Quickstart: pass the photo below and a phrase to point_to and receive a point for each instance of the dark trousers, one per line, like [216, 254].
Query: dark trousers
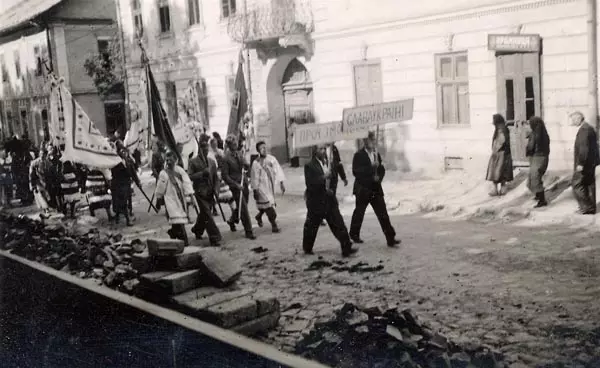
[205, 220]
[108, 212]
[177, 231]
[329, 211]
[584, 190]
[363, 199]
[271, 215]
[246, 222]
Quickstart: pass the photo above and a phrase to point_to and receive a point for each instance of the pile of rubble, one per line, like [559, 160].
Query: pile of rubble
[86, 254]
[193, 280]
[368, 337]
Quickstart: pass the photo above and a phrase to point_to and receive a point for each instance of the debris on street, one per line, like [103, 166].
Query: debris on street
[368, 337]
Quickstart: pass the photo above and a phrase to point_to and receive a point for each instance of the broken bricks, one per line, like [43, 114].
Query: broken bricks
[392, 337]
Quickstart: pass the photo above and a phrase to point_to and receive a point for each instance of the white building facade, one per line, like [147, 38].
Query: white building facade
[461, 61]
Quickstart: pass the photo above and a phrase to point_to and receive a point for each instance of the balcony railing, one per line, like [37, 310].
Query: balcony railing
[271, 21]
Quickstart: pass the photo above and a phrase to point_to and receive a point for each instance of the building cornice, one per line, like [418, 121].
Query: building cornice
[440, 18]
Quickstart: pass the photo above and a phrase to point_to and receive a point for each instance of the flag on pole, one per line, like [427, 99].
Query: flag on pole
[239, 102]
[137, 133]
[84, 143]
[161, 126]
[56, 124]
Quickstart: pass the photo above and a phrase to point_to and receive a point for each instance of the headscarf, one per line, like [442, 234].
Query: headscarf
[539, 136]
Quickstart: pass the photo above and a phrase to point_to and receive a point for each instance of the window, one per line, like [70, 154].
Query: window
[228, 7]
[171, 99]
[203, 100]
[231, 92]
[165, 16]
[136, 10]
[104, 51]
[4, 69]
[452, 86]
[9, 122]
[45, 124]
[38, 61]
[194, 12]
[17, 59]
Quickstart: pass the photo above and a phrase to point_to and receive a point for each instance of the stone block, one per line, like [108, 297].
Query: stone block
[260, 324]
[206, 298]
[165, 247]
[143, 262]
[180, 282]
[233, 312]
[190, 259]
[266, 304]
[221, 268]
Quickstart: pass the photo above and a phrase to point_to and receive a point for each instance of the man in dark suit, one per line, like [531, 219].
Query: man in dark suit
[368, 173]
[203, 173]
[337, 169]
[321, 203]
[233, 165]
[586, 158]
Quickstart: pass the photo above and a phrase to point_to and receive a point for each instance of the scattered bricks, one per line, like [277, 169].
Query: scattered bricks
[439, 342]
[138, 246]
[110, 279]
[460, 360]
[394, 332]
[233, 312]
[143, 262]
[130, 285]
[179, 282]
[296, 326]
[165, 247]
[123, 249]
[442, 361]
[108, 265]
[260, 324]
[219, 267]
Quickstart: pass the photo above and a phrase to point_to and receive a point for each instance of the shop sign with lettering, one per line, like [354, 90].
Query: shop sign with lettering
[514, 43]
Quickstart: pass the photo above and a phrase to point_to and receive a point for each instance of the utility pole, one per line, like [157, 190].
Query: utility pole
[124, 66]
[592, 63]
[248, 66]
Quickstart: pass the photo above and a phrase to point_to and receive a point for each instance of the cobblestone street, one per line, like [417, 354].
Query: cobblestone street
[529, 292]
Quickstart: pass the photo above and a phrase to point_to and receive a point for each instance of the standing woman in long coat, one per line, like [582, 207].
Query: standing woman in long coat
[538, 151]
[500, 169]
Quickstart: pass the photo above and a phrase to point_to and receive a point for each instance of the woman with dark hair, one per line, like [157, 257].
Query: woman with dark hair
[500, 169]
[538, 151]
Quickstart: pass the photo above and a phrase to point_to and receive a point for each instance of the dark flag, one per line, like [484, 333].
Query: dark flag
[239, 102]
[162, 129]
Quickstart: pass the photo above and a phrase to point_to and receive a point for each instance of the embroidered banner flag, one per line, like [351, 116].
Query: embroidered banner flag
[138, 131]
[56, 123]
[84, 143]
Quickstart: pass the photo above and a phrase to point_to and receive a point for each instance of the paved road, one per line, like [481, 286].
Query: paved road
[530, 292]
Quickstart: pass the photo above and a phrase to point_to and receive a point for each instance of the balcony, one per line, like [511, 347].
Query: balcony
[287, 22]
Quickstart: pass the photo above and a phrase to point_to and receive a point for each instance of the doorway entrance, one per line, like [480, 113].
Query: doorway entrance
[519, 97]
[298, 102]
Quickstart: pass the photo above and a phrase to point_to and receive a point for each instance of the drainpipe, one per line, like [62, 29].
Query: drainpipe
[249, 67]
[592, 32]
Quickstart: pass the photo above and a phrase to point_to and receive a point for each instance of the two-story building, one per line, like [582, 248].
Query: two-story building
[39, 36]
[461, 61]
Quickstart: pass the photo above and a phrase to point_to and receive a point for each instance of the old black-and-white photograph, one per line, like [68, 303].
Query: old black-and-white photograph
[299, 183]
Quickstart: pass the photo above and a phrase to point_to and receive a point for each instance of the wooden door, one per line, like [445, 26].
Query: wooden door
[298, 111]
[518, 98]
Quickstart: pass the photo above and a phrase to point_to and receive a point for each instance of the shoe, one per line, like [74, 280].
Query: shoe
[215, 244]
[393, 242]
[259, 220]
[129, 223]
[170, 233]
[349, 251]
[323, 223]
[308, 252]
[541, 204]
[231, 226]
[357, 239]
[250, 236]
[275, 229]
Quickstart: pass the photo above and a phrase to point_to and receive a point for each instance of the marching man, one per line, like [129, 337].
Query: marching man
[264, 175]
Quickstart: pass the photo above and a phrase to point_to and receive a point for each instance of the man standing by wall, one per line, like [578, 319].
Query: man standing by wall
[368, 173]
[232, 172]
[203, 173]
[265, 174]
[586, 158]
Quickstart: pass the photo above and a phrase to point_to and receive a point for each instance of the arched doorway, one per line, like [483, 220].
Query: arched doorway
[290, 101]
[298, 101]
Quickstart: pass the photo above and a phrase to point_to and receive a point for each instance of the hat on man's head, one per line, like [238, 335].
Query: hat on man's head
[371, 135]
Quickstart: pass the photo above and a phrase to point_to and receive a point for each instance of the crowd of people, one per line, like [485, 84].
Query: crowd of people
[586, 157]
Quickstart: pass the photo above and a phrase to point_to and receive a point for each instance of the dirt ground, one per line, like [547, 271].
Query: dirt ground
[529, 292]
